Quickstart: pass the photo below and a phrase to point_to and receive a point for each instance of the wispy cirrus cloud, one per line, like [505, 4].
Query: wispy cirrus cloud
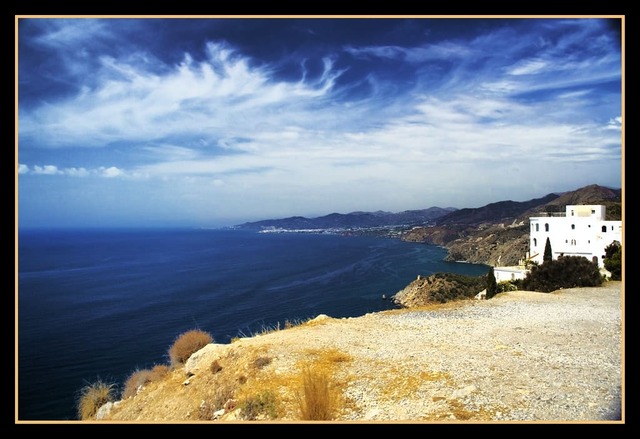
[449, 51]
[221, 97]
[500, 107]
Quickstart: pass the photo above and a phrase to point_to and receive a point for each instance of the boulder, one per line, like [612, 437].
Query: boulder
[202, 359]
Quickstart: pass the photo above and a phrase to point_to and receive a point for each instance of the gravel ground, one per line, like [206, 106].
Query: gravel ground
[521, 356]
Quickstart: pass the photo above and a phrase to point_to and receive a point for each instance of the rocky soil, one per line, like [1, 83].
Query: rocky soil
[521, 356]
[491, 244]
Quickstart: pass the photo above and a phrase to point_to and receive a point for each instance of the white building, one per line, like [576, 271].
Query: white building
[581, 231]
[504, 274]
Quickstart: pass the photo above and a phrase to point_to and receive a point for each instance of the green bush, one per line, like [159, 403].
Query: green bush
[264, 404]
[613, 260]
[186, 344]
[564, 272]
[507, 285]
[455, 286]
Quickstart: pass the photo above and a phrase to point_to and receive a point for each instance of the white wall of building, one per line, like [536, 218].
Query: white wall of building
[509, 273]
[583, 231]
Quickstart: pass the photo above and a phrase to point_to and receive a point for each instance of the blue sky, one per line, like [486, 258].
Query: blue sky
[213, 122]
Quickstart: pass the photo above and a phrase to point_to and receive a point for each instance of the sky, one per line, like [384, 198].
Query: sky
[211, 122]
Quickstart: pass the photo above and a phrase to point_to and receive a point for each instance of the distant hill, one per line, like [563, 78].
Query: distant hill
[495, 212]
[351, 220]
[498, 233]
[495, 234]
[592, 194]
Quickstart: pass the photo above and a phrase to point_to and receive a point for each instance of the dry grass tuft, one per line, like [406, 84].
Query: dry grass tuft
[459, 411]
[158, 372]
[135, 382]
[141, 377]
[186, 344]
[320, 394]
[92, 397]
[317, 399]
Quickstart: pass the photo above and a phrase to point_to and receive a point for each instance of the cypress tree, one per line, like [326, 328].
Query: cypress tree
[492, 285]
[548, 256]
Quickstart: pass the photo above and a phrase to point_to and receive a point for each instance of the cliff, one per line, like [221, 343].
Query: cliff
[498, 360]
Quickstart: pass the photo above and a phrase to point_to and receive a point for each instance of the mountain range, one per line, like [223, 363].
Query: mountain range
[351, 220]
[494, 234]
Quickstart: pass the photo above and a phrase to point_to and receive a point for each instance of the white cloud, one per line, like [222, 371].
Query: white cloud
[111, 172]
[222, 96]
[528, 67]
[615, 123]
[446, 50]
[223, 131]
[65, 32]
[46, 170]
[73, 171]
[76, 172]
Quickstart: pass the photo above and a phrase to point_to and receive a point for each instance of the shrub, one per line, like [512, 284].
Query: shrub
[613, 260]
[507, 285]
[92, 397]
[317, 401]
[564, 272]
[186, 344]
[158, 372]
[262, 404]
[136, 380]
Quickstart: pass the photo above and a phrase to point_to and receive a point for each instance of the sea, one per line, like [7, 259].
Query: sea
[96, 305]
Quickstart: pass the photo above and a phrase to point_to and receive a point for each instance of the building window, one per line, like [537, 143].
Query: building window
[573, 226]
[535, 242]
[566, 241]
[604, 229]
[593, 211]
[573, 242]
[589, 226]
[537, 227]
[546, 227]
[513, 276]
[589, 241]
[572, 213]
[594, 259]
[611, 227]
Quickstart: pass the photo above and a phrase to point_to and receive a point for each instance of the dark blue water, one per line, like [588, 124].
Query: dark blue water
[100, 304]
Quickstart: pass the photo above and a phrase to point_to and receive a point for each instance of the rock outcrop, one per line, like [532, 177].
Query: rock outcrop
[439, 288]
